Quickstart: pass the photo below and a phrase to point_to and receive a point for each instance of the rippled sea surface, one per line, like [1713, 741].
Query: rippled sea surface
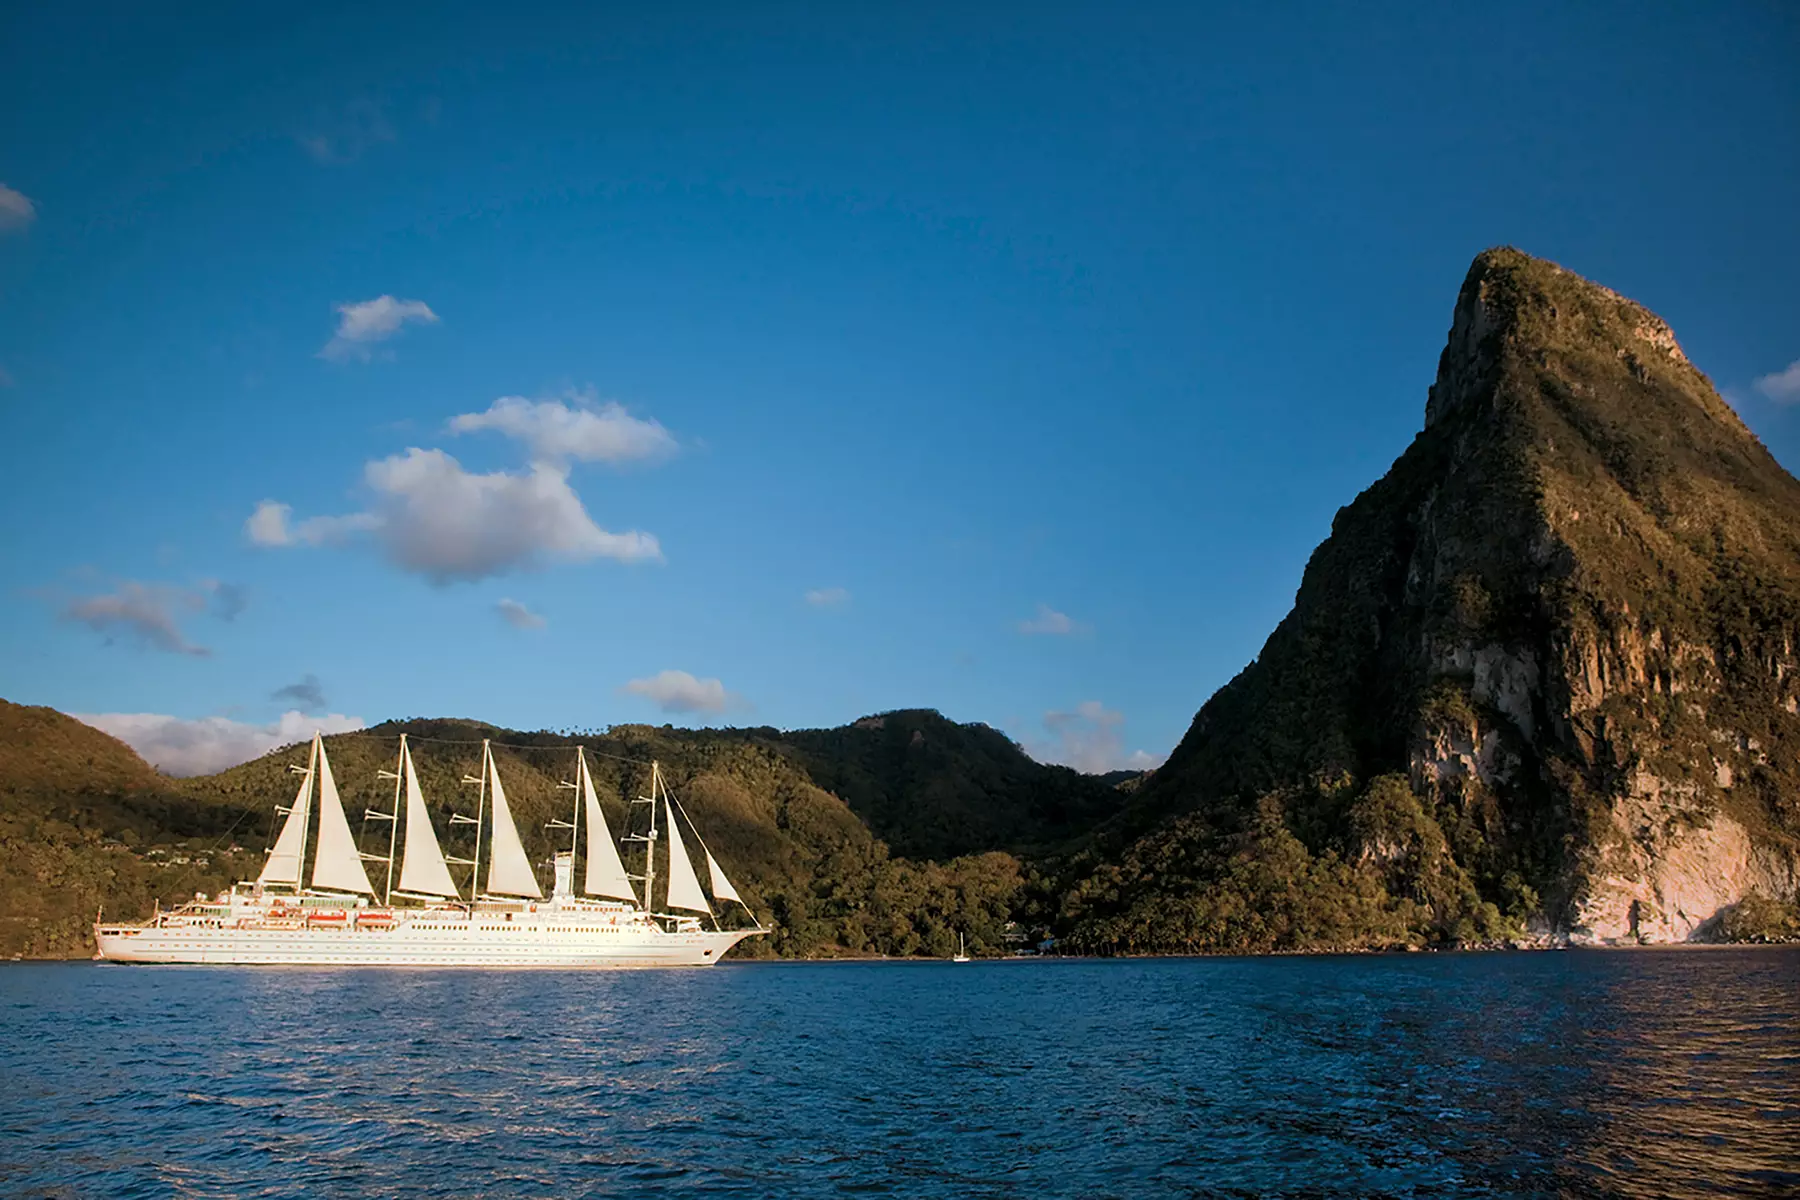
[1650, 1073]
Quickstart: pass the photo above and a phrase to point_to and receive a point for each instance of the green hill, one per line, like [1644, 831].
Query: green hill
[85, 822]
[933, 788]
[809, 865]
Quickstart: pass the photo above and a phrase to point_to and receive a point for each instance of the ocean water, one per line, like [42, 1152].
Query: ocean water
[1648, 1073]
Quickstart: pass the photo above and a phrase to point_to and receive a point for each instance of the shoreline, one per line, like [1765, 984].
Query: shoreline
[862, 959]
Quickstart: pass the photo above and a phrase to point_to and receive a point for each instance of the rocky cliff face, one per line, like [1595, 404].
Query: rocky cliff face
[1567, 617]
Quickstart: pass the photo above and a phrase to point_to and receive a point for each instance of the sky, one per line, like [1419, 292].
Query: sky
[769, 365]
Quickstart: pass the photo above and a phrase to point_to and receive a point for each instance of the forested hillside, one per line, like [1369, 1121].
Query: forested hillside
[87, 822]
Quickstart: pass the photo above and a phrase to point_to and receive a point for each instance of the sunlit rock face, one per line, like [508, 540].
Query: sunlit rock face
[1568, 615]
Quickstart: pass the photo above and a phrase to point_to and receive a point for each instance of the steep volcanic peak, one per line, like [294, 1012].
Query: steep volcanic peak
[1511, 300]
[1547, 665]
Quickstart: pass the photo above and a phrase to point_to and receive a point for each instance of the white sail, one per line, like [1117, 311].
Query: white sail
[605, 872]
[422, 867]
[509, 870]
[684, 885]
[337, 866]
[721, 886]
[284, 860]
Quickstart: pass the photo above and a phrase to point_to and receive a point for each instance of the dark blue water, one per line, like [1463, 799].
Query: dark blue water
[1574, 1074]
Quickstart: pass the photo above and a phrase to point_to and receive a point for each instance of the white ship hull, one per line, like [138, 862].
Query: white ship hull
[486, 940]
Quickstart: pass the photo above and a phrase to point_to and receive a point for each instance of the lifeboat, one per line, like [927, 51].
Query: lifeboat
[331, 918]
[375, 919]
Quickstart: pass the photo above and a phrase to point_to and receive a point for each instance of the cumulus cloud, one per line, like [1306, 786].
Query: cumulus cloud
[268, 525]
[208, 744]
[518, 616]
[1049, 622]
[147, 613]
[829, 597]
[17, 212]
[1089, 738]
[366, 322]
[1783, 387]
[307, 693]
[679, 692]
[449, 524]
[271, 525]
[572, 429]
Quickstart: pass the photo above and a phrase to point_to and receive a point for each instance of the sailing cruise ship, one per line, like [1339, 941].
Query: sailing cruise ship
[332, 919]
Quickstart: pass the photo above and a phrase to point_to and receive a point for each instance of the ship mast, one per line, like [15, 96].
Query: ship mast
[650, 848]
[312, 765]
[649, 840]
[575, 817]
[393, 820]
[480, 812]
[573, 824]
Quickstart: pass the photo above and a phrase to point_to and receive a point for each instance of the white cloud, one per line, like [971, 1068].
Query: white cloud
[1090, 738]
[518, 616]
[209, 744]
[146, 612]
[679, 692]
[573, 429]
[17, 212]
[366, 322]
[1783, 387]
[1049, 621]
[450, 525]
[270, 525]
[829, 597]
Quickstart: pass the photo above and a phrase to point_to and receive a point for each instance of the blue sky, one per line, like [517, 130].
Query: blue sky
[1038, 345]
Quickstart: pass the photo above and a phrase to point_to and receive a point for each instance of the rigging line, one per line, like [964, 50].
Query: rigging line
[220, 840]
[413, 737]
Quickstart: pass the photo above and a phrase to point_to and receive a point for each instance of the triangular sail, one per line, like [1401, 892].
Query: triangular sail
[422, 867]
[337, 866]
[509, 870]
[721, 886]
[284, 859]
[684, 885]
[605, 872]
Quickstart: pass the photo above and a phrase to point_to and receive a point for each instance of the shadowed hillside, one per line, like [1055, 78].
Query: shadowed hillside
[85, 822]
[933, 788]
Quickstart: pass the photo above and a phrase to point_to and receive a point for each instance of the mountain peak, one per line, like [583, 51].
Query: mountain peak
[1549, 664]
[1512, 301]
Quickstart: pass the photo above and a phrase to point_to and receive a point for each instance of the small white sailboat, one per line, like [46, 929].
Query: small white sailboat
[962, 953]
[335, 918]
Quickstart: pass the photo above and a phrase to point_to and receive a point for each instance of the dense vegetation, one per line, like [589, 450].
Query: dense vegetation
[932, 788]
[83, 822]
